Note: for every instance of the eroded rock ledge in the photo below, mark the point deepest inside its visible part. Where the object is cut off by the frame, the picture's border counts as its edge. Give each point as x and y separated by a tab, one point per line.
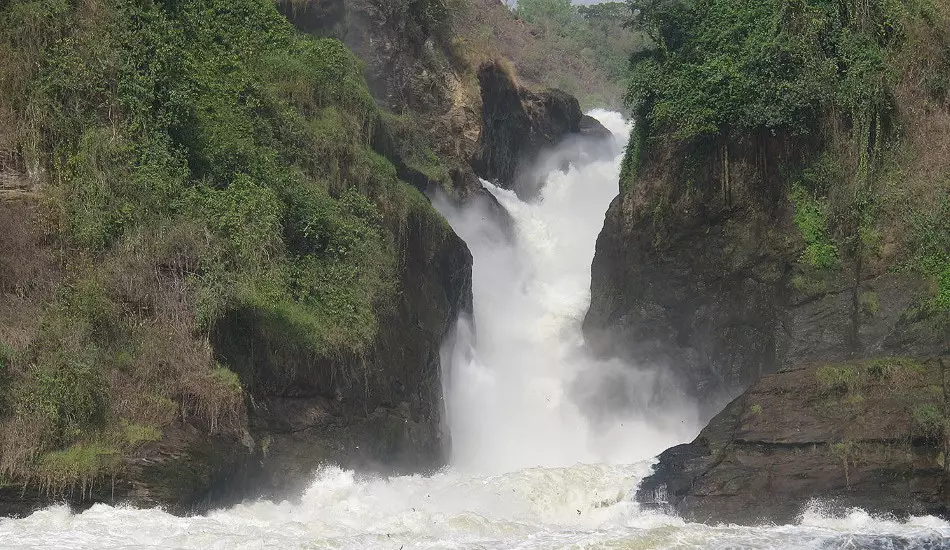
871	434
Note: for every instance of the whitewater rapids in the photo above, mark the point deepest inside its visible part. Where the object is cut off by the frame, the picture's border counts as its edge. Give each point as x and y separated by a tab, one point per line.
549	444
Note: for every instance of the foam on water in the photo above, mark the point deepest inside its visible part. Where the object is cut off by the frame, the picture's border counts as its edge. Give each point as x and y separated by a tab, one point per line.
549	443
584	506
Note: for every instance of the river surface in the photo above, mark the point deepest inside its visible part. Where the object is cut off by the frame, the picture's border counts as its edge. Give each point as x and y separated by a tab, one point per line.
549	443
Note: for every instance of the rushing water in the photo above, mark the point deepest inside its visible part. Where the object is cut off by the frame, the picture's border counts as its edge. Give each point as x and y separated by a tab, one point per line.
548	443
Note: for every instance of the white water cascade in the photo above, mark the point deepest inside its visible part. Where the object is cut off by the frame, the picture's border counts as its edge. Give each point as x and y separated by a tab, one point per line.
549	444
526	392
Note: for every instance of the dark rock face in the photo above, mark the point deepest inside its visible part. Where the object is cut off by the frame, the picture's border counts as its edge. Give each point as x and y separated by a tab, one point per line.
380	411
520	126
697	270
802	434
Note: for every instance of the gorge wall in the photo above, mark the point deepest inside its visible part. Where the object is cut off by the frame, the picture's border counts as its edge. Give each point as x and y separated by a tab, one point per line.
733	251
794	234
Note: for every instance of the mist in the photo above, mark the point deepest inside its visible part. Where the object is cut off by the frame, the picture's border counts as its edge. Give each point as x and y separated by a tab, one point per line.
521	388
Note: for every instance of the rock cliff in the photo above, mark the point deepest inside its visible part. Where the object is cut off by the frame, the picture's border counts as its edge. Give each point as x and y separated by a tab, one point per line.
866	434
525	134
698	269
760	232
183	378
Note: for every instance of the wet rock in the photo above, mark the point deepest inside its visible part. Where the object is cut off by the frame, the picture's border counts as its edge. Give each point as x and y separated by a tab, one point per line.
379	411
839	435
525	133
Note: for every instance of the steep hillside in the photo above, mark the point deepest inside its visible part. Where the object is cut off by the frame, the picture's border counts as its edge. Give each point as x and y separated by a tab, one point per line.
218	269
207	251
785	200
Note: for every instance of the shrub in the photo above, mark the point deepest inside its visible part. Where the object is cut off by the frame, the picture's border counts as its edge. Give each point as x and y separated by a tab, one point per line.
870	303
69	395
837	380
929	419
136	434
81	464
215	396
881	369
811	218
930	246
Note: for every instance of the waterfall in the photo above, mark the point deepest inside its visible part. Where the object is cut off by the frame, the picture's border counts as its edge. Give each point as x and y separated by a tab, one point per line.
549	442
528	393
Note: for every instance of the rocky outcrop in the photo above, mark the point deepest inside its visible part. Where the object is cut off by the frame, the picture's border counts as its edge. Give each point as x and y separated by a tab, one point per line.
698	270
525	133
869	434
380	411
410	70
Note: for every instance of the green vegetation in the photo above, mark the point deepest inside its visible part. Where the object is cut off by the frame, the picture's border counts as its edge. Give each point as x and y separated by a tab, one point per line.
870	303
202	160
79	465
729	65
930	420
583	50
808	285
811	218
930	240
846	85
136	434
756	409
847	381
837	380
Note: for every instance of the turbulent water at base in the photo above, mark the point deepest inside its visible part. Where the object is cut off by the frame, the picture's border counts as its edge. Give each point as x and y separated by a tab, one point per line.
548	443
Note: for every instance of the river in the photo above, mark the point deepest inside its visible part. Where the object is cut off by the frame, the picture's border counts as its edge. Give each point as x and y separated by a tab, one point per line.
548	443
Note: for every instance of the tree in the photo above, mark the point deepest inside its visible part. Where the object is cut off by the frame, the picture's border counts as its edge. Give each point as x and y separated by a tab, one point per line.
559	12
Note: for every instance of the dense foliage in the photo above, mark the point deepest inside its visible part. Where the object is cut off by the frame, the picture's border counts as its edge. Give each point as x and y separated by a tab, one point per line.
823	72
201	157
720	64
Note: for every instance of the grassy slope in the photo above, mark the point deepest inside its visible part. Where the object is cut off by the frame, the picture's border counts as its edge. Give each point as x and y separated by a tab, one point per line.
197	157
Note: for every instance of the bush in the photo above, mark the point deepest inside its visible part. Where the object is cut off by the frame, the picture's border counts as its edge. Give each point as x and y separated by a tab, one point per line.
930	246
69	395
136	434
216	396
719	65
930	420
837	380
81	464
811	218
